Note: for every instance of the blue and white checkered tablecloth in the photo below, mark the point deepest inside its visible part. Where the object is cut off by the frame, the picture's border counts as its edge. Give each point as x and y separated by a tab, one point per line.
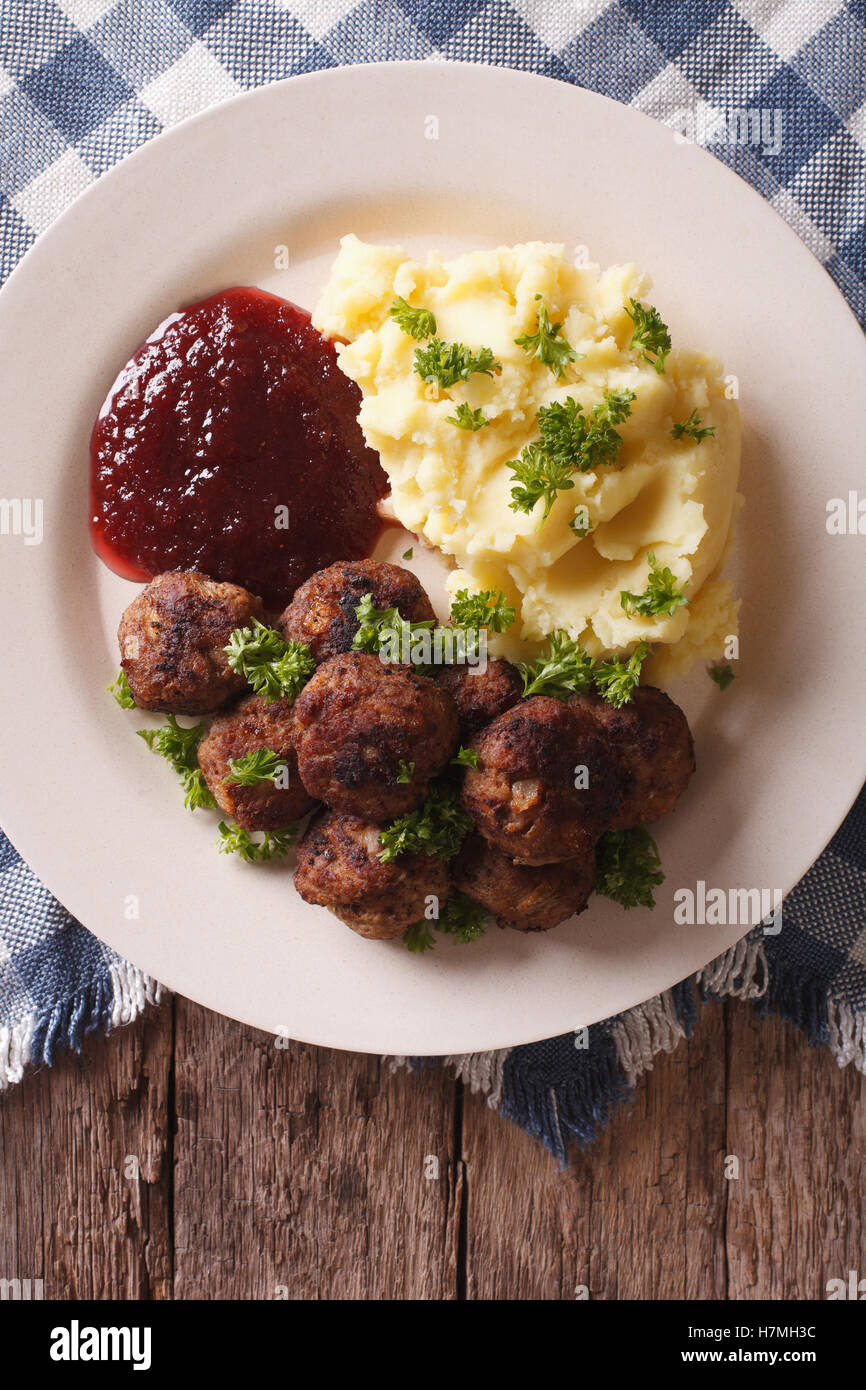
84	82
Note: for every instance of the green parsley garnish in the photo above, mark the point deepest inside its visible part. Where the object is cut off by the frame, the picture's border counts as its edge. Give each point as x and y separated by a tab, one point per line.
628	867
438	828
461	919
121	691
468	419
722	672
692	427
263	765
179	747
444	364
273	845
569	442
616	680
466	757
418	323
407	554
488	608
546	344
405	771
539	477
566	669
275	668
650	334
418	938
378	626
660	596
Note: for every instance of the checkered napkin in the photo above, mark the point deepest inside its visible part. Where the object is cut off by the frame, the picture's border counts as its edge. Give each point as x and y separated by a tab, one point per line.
84	82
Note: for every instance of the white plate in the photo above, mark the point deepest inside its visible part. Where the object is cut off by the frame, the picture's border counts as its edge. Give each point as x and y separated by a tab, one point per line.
299	163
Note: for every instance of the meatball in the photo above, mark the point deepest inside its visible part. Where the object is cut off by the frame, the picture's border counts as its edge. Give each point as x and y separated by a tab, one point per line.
322	612
653	749
546	786
266	805
172	638
370	736
481	695
339	867
522	896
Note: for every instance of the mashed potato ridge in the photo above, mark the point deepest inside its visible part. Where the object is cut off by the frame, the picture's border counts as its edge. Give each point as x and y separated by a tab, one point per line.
673	498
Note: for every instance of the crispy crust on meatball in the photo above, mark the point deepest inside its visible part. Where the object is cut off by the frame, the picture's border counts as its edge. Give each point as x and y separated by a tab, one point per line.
524	897
339	868
523	796
322	612
357	720
250	726
481	696
172	638
654	752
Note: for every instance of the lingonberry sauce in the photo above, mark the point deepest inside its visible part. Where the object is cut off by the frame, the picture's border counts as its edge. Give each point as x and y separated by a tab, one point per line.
233	411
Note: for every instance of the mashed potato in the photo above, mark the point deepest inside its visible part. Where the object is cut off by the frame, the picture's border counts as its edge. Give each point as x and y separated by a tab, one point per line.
673	498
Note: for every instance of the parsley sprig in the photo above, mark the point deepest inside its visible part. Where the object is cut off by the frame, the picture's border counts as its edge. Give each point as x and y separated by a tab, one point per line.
466	418
569	441
179	747
546	344
438	828
466	757
262	765
418	323
692	427
628	867
444	364
461	919
276	669
377	627
121	691
660	596
616	680
567	669
488	608
722	672
273	845
650	336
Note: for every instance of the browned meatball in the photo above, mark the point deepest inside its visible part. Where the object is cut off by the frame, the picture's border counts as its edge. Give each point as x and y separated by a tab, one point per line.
522	896
172	638
481	695
322	612
339	867
266	805
523	796
653	748
361	725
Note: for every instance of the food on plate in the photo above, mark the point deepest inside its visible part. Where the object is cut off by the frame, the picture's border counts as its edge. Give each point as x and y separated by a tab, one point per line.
371	735
229	444
525	897
480	692
654	752
323	610
172	642
546	785
537	426
249	763
339	867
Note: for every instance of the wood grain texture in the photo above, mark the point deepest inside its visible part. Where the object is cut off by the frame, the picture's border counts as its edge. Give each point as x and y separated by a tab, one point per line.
797	1123
301	1173
72	1210
293	1172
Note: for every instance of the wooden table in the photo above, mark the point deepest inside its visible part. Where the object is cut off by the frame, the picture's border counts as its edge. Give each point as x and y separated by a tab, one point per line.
189	1157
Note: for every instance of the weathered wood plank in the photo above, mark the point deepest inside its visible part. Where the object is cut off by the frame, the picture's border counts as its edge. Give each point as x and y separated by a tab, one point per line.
639	1215
71	1138
797	1123
300	1172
